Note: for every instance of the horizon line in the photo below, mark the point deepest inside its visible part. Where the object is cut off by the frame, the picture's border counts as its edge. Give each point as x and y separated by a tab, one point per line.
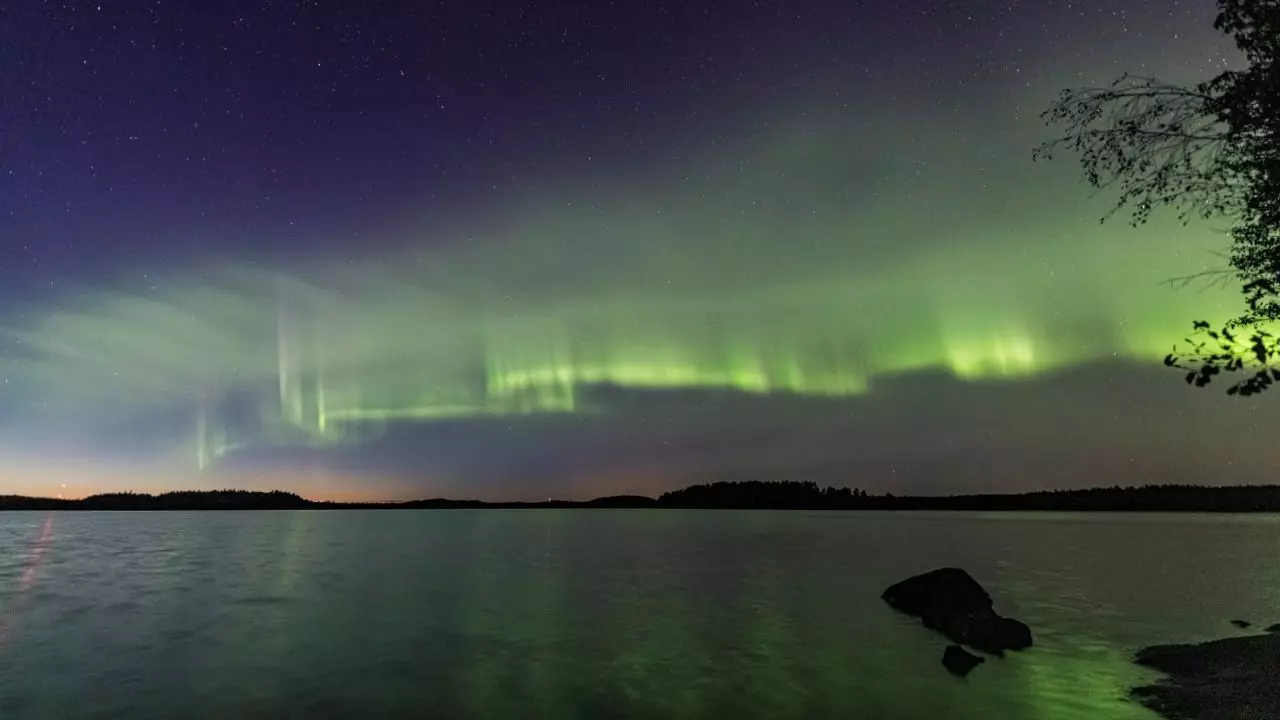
639	497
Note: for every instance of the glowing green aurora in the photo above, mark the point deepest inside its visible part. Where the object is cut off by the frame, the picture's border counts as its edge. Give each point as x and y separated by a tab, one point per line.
257	358
765	267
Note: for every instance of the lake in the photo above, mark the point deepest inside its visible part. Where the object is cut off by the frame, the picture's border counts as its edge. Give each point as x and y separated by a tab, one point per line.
598	613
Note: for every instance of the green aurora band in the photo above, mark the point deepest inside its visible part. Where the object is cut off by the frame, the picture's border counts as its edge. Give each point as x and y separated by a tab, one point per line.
780	280
326	366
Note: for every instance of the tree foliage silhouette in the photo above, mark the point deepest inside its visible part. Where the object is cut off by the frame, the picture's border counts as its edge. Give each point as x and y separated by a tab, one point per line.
1210	151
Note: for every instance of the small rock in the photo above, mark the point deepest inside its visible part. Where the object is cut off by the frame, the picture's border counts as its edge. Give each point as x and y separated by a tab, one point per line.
1242	623
960	661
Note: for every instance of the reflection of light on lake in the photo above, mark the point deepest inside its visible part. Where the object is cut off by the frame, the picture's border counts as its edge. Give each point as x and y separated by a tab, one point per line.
507	615
35	557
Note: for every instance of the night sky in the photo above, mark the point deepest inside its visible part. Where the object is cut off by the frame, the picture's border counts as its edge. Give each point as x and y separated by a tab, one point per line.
504	250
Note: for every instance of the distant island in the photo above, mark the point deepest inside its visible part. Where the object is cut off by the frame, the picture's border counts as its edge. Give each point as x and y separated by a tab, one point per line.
748	495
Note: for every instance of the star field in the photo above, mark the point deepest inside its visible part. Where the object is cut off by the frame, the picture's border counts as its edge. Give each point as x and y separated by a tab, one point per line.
499	249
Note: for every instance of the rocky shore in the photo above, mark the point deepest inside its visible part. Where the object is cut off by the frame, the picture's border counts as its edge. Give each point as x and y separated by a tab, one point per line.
1231	679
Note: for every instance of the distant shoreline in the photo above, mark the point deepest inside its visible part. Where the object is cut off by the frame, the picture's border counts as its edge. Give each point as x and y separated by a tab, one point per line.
750	495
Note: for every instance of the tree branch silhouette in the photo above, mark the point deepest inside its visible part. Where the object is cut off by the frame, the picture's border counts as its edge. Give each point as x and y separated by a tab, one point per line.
1211	150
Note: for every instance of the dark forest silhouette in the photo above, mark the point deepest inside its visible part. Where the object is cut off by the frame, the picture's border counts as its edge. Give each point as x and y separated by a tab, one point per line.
747	495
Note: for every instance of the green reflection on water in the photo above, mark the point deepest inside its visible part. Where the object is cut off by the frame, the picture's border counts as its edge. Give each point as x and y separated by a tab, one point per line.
494	614
769	643
482	671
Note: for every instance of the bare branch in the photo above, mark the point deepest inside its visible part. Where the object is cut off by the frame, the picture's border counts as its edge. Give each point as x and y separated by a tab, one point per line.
1153	143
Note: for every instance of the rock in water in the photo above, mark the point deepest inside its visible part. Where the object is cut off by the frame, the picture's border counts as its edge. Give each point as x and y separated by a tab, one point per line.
960	661
1273	628
952	588
1241	623
950	601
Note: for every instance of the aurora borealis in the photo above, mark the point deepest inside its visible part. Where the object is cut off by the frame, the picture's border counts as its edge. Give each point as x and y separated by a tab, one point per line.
346	261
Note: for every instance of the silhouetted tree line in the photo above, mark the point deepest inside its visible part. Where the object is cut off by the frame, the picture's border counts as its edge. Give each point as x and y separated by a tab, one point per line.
762	495
1145	498
20	502
613	501
197	500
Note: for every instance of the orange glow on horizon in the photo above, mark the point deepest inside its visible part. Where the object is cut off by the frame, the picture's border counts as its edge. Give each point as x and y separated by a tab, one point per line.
74	480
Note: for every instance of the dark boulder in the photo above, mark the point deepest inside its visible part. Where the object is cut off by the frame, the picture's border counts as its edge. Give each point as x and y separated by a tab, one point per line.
1273	628
950	601
945	589
959	661
1242	624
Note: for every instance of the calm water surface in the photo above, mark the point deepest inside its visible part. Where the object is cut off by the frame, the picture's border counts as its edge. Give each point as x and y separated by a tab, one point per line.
596	614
